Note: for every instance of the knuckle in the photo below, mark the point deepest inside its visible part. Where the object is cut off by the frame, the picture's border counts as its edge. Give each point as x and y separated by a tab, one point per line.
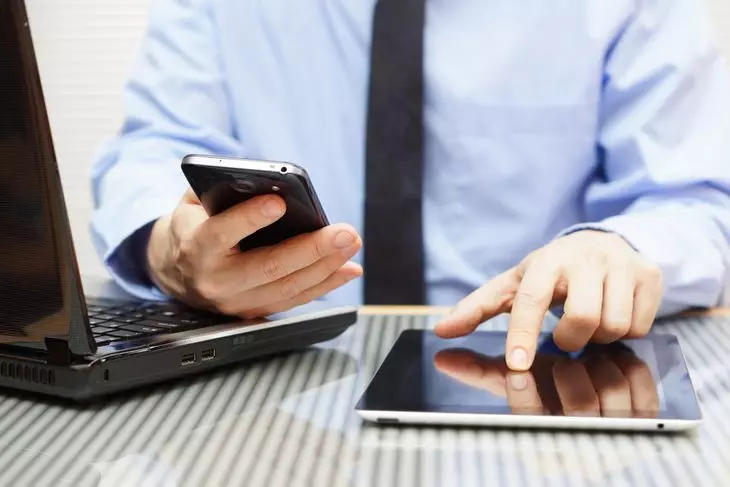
217	237
528	299
638	332
582	318
249	219
521	271
527	261
521	336
624	267
592	261
289	288
272	267
188	247
597	258
319	247
615	328
653	275
544	257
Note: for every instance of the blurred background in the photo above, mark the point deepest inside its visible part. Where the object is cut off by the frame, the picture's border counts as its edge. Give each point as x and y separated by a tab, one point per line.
85	49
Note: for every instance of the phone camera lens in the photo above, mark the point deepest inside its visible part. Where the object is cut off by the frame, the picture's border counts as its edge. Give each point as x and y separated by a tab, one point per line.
244	186
283	169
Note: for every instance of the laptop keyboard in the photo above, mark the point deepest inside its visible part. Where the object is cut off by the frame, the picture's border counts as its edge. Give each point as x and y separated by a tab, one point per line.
115	321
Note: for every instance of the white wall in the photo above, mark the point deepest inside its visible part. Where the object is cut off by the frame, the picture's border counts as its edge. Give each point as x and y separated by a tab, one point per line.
85	49
720	10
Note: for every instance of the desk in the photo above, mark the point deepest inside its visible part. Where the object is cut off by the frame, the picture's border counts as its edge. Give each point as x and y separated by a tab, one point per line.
289	421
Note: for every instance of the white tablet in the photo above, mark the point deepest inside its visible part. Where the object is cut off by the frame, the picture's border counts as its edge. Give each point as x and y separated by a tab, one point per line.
630	385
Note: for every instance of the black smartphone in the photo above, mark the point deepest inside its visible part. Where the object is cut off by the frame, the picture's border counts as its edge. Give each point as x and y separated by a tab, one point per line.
222	182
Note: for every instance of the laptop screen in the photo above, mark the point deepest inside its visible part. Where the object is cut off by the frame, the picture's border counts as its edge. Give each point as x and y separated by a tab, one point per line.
38	295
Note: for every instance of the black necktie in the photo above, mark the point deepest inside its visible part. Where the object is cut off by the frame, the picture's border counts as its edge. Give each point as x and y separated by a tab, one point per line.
394	156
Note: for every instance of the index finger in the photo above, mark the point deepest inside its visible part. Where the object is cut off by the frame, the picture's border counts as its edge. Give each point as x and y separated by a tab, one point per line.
221	232
486	302
531	302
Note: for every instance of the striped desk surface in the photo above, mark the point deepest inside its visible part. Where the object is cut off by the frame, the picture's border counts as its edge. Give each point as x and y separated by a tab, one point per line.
290	421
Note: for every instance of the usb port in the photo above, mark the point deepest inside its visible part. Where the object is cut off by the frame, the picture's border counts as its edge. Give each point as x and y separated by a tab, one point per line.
207	354
187	359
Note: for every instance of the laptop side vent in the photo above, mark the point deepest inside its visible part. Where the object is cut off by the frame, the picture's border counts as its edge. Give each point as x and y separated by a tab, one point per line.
27	373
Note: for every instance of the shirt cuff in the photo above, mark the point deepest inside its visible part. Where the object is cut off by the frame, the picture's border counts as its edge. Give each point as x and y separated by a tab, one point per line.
121	240
128	266
604	227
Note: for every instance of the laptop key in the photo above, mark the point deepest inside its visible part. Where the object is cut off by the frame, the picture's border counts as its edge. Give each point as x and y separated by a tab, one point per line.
129	308
105	317
119	333
164	310
142	328
113	324
95	321
158	324
98	330
102	340
163	319
122	319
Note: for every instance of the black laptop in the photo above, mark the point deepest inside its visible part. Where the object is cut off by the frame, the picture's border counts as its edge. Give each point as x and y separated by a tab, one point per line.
55	341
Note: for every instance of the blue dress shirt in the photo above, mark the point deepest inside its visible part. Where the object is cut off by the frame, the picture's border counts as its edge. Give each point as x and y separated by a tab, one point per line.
541	118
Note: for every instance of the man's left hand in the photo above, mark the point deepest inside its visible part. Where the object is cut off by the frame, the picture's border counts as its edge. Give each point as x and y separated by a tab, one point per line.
609	290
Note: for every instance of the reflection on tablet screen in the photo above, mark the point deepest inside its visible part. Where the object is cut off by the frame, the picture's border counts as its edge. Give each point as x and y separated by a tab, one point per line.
636	378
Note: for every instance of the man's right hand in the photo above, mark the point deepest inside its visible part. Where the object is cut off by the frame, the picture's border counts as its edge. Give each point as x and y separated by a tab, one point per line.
195	258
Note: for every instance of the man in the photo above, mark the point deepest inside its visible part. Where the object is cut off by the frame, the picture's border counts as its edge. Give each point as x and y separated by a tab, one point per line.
537	152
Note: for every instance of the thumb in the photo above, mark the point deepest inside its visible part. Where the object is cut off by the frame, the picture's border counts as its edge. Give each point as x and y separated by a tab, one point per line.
488	301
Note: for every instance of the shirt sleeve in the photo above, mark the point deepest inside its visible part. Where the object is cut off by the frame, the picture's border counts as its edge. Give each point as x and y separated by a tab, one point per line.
175	103
665	146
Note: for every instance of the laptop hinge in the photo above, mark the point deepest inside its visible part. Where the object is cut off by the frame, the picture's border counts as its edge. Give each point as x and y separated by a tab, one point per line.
58	351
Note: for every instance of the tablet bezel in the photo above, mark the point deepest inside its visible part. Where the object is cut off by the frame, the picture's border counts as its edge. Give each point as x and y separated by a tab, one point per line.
374	402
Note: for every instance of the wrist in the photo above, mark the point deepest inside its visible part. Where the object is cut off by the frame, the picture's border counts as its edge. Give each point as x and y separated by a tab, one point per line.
159	261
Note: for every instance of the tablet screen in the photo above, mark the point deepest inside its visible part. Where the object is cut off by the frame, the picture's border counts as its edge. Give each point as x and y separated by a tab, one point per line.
644	378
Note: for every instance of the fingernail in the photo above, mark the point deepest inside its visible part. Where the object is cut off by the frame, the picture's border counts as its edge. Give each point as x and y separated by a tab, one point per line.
344	239
518	382
272	208
518	359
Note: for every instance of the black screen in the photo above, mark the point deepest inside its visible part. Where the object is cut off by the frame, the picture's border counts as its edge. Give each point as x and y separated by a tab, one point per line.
633	379
36	263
